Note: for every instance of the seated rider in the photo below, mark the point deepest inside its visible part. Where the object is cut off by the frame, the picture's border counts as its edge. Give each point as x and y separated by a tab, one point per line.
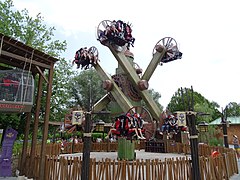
80	56
173	124
133	126
115	128
120	127
139	121
165	126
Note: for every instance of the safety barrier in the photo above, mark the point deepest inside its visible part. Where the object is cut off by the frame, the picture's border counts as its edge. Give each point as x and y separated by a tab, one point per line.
220	167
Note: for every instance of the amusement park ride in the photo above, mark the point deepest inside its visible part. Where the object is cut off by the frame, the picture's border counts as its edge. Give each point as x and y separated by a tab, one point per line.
129	86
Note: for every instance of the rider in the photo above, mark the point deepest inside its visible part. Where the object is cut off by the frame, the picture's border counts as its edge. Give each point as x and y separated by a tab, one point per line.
133	126
139	122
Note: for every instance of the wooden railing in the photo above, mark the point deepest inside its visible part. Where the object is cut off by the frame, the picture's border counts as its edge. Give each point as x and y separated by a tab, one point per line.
168	147
55	148
70	168
221	167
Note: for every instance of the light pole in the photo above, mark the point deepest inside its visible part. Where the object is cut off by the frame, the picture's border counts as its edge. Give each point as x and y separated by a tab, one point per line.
191	123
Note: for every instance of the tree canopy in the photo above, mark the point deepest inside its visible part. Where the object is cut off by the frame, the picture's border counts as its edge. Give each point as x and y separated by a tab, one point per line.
182	100
33	32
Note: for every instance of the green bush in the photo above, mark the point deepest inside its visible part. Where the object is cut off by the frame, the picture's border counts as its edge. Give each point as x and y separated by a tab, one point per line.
17	148
215	142
98	135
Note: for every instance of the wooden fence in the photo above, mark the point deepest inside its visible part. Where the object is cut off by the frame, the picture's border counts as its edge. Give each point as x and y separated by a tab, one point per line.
55	148
70	168
169	147
214	168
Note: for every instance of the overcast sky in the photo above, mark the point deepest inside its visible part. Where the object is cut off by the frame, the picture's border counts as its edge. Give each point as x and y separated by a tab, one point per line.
206	31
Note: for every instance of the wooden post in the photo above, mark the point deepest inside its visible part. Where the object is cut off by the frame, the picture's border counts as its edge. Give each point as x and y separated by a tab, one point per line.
224	127
87	136
35	125
25	144
191	123
46	123
194	145
86	147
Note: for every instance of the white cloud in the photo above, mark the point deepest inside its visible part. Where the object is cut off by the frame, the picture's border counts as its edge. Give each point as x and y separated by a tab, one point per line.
206	31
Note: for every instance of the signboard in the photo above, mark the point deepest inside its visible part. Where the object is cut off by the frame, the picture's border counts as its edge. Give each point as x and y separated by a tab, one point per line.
5	106
6	153
181	115
77	117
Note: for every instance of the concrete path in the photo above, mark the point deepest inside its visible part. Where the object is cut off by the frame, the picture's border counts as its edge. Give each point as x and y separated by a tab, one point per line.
236	176
139	155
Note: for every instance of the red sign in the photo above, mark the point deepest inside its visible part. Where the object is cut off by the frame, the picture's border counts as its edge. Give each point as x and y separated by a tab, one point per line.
11	106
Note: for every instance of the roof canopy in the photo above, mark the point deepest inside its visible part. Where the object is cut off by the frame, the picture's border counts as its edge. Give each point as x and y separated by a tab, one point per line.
232	120
17	54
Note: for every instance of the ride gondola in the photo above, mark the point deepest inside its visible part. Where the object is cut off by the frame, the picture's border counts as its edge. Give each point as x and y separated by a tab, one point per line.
16	91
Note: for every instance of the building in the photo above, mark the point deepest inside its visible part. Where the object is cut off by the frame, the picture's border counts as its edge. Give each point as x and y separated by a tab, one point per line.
233	126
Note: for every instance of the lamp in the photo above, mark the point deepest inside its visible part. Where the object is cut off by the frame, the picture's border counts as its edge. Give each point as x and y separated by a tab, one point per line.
203	126
100	126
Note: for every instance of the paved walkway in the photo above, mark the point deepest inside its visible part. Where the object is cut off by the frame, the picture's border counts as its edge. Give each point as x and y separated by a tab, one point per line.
237	176
139	155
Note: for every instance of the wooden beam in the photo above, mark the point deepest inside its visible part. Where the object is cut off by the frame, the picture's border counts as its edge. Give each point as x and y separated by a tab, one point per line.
101	104
5	61
131	73
41	73
23	59
118	95
157	57
24	49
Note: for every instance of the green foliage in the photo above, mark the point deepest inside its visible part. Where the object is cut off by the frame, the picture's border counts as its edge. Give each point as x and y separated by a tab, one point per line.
86	89
233	109
156	96
33	32
212	136
215	142
17	147
98	135
87	86
200	104
61	91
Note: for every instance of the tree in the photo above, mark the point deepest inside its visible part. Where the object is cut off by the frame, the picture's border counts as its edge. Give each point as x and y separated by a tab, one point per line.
30	31
61	94
233	109
86	88
33	32
156	96
201	104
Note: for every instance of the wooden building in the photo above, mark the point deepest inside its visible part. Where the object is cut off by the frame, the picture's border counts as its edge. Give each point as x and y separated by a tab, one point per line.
16	56
233	126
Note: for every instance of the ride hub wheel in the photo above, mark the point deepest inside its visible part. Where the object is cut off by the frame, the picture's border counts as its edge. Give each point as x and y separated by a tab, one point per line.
170	45
93	52
132	92
148	124
101	32
120	80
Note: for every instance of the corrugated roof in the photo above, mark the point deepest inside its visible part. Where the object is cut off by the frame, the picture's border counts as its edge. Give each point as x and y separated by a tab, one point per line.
233	120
